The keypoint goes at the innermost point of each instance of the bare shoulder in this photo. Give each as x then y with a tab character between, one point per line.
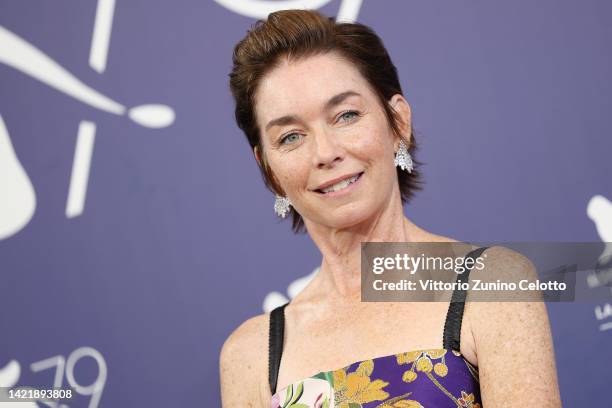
508	263
243	365
513	340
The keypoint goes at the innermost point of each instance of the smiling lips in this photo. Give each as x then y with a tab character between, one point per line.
334	186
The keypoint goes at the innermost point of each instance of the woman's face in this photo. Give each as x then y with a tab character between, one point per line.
321	122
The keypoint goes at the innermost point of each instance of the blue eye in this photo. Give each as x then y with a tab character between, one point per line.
349	113
282	141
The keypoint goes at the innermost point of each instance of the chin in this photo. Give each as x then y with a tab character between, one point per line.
346	217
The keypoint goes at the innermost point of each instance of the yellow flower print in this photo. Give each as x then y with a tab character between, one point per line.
409	376
422	361
400	402
407	358
424	364
467	400
441	369
357	387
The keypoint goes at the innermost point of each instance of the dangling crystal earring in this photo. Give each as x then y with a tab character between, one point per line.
281	206
403	160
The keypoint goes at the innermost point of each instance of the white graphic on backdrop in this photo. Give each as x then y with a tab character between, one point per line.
349	9
23	56
100	40
602	313
18	201
599	210
17	210
10	373
275	299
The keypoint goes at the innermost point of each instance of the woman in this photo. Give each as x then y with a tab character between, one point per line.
323	110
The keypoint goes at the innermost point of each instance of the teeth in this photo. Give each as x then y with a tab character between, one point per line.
340	185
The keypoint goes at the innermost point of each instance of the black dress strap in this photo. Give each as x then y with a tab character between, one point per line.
276	337
454	316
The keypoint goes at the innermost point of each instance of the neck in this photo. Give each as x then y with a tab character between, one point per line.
339	277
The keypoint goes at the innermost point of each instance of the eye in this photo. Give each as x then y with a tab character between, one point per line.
348	115
289	138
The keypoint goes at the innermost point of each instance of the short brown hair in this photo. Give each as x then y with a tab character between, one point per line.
301	33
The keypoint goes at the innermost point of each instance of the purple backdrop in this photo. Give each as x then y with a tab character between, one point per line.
129	250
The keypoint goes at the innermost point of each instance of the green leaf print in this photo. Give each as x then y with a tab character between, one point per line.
288	397
298	394
329	376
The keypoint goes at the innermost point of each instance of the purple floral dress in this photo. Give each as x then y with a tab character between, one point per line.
420	378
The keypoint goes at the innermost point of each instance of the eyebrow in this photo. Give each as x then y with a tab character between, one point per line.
333	101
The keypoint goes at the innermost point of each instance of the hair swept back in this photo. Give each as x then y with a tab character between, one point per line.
296	34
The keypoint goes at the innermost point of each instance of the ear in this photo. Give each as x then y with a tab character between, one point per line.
404	113
257	156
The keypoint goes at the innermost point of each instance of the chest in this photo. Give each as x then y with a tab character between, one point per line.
339	337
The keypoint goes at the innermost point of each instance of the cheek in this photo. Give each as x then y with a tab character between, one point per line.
374	145
290	170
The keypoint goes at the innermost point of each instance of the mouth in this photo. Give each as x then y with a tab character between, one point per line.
341	187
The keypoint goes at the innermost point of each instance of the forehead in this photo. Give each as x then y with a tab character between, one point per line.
301	86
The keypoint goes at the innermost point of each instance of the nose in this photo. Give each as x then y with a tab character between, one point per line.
327	150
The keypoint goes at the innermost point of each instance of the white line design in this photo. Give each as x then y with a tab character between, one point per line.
10	373
605	326
100	39
349	9
23	56
599	210
17	195
80	169
261	8
18	208
81	164
275	299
